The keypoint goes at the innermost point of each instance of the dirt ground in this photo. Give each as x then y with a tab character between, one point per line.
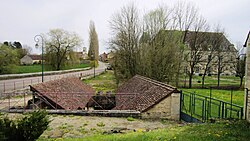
80	126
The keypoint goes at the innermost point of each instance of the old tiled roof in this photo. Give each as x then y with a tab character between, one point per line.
35	57
67	93
141	93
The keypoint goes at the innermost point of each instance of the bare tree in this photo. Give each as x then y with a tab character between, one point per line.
196	40
59	44
159	45
125	26
213	46
241	62
184	15
223	50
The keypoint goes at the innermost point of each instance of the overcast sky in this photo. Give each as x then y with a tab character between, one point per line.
21	20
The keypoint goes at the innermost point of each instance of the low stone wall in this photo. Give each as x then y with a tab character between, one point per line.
104	113
13	76
168	108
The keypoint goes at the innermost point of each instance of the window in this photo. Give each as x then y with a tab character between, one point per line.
197	69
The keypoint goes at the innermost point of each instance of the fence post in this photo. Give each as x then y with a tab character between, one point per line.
231	106
246	103
14	85
222	108
3	86
191	106
180	104
9	100
219	116
210	101
24	101
203	119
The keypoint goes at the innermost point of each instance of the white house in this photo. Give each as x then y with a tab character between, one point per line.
30	59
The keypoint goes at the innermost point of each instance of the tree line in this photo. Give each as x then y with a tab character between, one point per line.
10	54
58	47
165	41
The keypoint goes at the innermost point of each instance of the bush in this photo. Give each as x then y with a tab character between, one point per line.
28	128
130	119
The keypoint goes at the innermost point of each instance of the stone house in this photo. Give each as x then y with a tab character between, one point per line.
103	57
223	53
152	98
247	79
31	59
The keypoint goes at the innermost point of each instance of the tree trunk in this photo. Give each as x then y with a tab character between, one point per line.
203	80
190	80
241	80
218	79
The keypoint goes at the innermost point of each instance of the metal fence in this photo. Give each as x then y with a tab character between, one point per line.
196	107
67	101
13	85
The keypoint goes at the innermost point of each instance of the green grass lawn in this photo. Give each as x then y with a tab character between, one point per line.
225	95
38	68
211	81
104	82
220	131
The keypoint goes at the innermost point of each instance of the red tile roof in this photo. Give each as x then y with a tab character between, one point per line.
141	93
67	93
35	57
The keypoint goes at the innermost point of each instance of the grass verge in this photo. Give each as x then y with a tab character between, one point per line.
38	68
220	131
104	82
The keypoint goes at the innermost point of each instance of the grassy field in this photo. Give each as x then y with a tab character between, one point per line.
38	68
212	81
104	82
220	131
225	95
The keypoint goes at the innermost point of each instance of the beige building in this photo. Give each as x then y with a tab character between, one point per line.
211	46
247	79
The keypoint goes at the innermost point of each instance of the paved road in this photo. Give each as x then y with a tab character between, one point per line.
21	83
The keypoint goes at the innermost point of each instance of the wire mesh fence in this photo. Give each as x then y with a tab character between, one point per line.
13	101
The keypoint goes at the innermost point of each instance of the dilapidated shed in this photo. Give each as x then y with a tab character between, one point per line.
152	98
66	93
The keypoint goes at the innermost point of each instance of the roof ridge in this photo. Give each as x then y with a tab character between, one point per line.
156	82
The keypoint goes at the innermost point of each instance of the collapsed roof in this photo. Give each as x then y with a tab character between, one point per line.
66	93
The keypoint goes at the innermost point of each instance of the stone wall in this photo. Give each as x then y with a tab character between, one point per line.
247	80
168	108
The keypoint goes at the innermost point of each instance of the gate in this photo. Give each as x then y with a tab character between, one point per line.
199	108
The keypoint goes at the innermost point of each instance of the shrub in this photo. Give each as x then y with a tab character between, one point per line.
28	128
8	129
130	119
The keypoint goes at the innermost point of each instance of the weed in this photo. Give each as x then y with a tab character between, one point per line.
63	126
130	119
100	124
